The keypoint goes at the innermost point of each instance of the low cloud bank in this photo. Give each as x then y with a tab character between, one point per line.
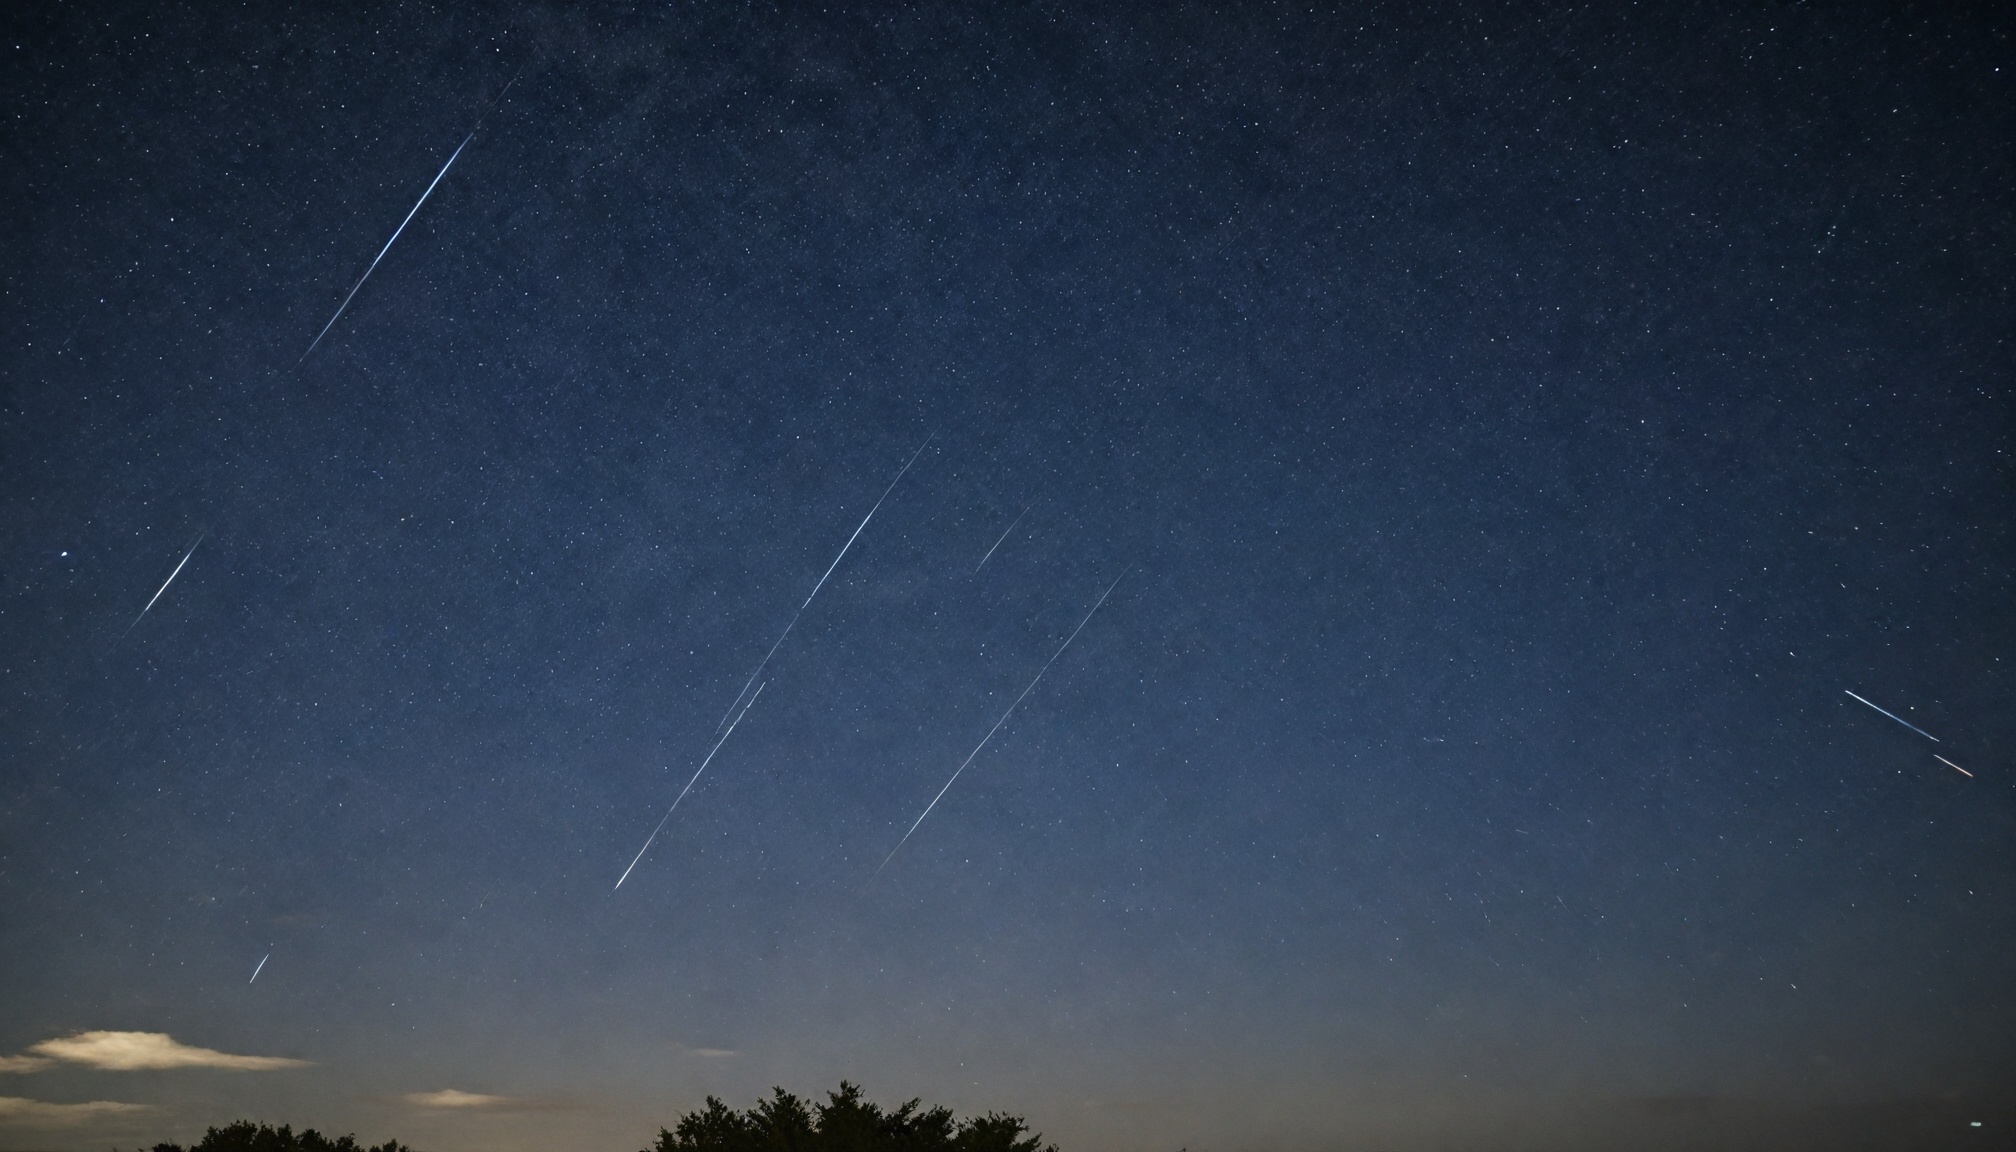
42	1114
137	1051
24	1063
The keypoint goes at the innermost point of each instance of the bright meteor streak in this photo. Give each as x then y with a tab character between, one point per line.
1953	766
765	662
689	786
1899	719
163	588
1003	720
261	966
388	244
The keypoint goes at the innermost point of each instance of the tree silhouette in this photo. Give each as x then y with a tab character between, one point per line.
245	1136
845	1123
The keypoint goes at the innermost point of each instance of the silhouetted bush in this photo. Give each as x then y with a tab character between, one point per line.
845	1123
245	1136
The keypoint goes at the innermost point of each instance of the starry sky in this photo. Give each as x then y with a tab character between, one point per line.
1508	435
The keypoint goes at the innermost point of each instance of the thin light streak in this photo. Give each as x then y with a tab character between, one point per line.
163	588
1953	766
689	786
388	246
1000	722
1899	719
765	662
1004	536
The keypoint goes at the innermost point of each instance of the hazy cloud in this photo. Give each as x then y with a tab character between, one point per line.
133	1051
450	1098
714	1053
456	1100
24	1063
40	1114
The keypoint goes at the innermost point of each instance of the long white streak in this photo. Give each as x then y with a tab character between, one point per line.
689	786
1953	766
1003	720
1899	719
388	247
1004	536
765	662
261	967
870	516
164	586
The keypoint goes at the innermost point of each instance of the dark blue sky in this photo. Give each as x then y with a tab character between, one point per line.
1518	431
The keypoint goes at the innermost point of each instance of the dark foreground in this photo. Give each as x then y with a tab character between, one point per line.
844	1123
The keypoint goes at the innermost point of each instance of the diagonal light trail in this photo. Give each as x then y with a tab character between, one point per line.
1001	721
1899	719
1004	537
388	244
689	786
765	662
163	588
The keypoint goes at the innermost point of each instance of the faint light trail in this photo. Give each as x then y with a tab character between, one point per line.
689	786
1004	536
822	580
1001	721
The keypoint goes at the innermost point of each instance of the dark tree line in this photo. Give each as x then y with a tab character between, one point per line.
783	1123
245	1136
845	1123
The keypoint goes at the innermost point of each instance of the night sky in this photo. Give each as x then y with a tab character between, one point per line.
1513	434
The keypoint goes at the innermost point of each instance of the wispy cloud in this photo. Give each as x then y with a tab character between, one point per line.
456	1100
451	1098
16	1110
24	1063
135	1051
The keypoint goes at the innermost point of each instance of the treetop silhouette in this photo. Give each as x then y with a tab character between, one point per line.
844	1123
245	1136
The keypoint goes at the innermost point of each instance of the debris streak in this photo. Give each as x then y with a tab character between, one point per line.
1899	719
689	786
765	662
1001	721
